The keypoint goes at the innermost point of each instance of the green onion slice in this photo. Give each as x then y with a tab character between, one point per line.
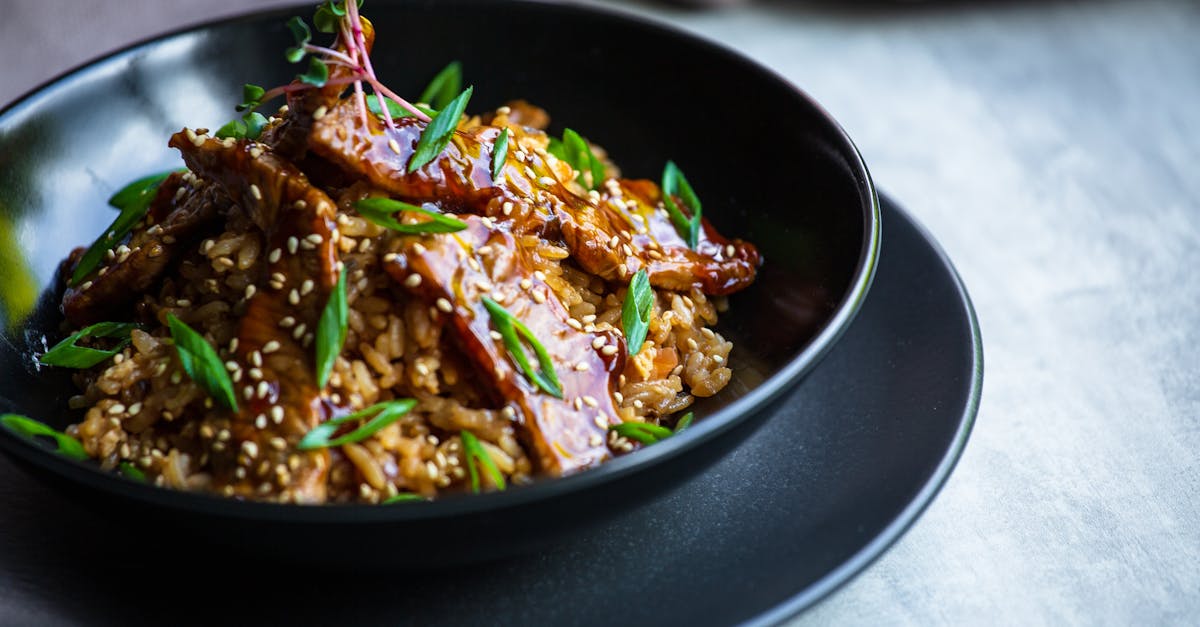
444	86
635	311
509	327
499	154
403	497
381	415
134	201
478	459
437	134
685	422
381	211
70	355
675	183
331	330
201	363
578	152
133	472
644	432
24	426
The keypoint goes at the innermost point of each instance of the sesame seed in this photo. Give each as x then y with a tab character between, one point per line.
507	208
287	322
278	443
412	280
306	287
444	305
620	397
418	248
612	243
394	146
588	318
547	181
529	172
275	255
574	324
270	347
255	374
600	421
277	414
260	421
320	112
135	409
609	350
539	297
176	377
526	284
473	264
249	448
539	275
298	332
255	191
292	244
431	469
250	291
483	286
264	389
315	239
485	250
495	335
729	250
581	367
597	342
718	359
300	205
578	404
256	358
248	392
508	412
422	369
590	401
116	409
627	249
87	285
294	297
224	262
691	343
232	366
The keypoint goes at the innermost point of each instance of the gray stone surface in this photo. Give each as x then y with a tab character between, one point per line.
1052	148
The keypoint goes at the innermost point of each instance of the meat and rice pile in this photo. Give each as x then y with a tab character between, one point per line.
251	245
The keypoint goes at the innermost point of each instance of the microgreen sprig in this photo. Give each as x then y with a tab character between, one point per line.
201	363
635	311
331	330
382	211
380	414
479	460
250	125
675	183
24	426
134	201
511	331
68	354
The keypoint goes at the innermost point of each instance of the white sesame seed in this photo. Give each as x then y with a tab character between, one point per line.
260	421
574	324
444	305
546	181
600	421
418	248
691	343
539	297
306	287
256	359
276	414
508	412
578	404
484	250
264	389
176	377
300	205
275	255
597	342
270	347
539	275
412	280
730	250
315	238
255	374
595	440
581	367
255	191
292	244
394	146
526	284
609	350
718	359
248	392
590	401
320	112
294	297
507	208
612	243
495	335
249	448
422	369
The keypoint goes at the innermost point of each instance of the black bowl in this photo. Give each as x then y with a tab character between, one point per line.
769	163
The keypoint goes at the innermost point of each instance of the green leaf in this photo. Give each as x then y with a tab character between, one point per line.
235	128
437	134
133	209
576	151
381	211
329	13
251	97
382	415
675	183
255	122
635	311
66	445
129	470
685	422
509	327
302	35
331	330
68	354
201	363
442	89
644	432
403	497
499	154
478	459
316	75
249	126
137	189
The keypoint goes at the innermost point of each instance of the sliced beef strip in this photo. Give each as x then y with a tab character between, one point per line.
173	221
298	219
455	272
599	230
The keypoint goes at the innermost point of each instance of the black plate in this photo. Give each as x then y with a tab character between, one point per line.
838	472
774	169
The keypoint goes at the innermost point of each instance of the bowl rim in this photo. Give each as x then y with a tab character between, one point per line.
702	432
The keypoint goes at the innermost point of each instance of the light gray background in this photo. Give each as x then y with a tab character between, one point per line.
1054	149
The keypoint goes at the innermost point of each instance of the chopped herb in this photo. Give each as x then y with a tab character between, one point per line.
329	14
66	445
478	459
69	354
444	87
437	134
509	327
316	75
635	312
381	211
644	432
499	154
302	35
134	200
381	414
675	183
403	497
685	422
576	151
201	363
331	330
394	108
129	470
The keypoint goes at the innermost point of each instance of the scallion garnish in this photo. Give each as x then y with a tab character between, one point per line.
201	363
24	426
635	312
575	150
437	134
382	211
331	330
509	327
69	354
644	432
133	472
381	414
685	422
499	154
403	497
444	87
134	201
675	183
479	459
